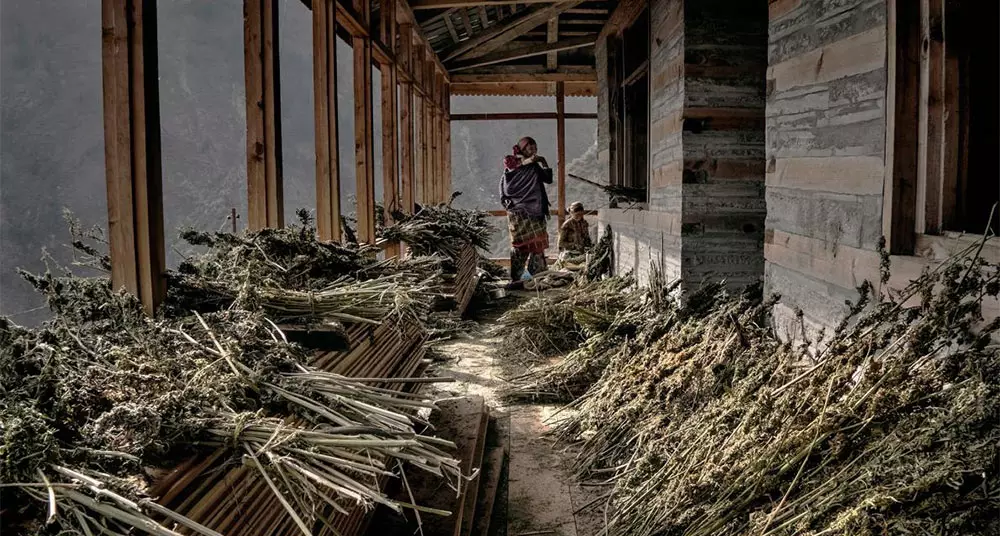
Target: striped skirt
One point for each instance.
(530, 235)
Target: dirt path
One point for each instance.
(542, 495)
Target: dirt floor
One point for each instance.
(542, 496)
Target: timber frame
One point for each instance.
(493, 47)
(389, 38)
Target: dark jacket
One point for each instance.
(522, 190)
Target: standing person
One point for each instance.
(523, 196)
(574, 235)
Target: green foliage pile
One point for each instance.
(93, 399)
(440, 230)
(715, 427)
(559, 320)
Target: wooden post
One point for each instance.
(447, 141)
(390, 174)
(325, 96)
(930, 146)
(899, 193)
(132, 149)
(363, 154)
(263, 101)
(435, 159)
(406, 122)
(561, 149)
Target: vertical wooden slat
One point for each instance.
(447, 141)
(952, 126)
(132, 149)
(561, 149)
(253, 70)
(263, 103)
(551, 36)
(404, 55)
(325, 97)
(390, 118)
(406, 147)
(363, 155)
(931, 121)
(272, 116)
(899, 196)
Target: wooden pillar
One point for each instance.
(390, 169)
(406, 142)
(363, 154)
(435, 153)
(930, 147)
(561, 149)
(263, 101)
(325, 96)
(447, 141)
(132, 149)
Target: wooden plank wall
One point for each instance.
(706, 200)
(722, 139)
(826, 119)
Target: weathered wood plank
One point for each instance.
(522, 51)
(505, 32)
(899, 194)
(254, 74)
(931, 118)
(561, 148)
(325, 100)
(132, 149)
(860, 175)
(406, 148)
(856, 54)
(272, 115)
(363, 156)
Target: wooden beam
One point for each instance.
(404, 14)
(561, 149)
(352, 20)
(623, 16)
(450, 25)
(519, 116)
(447, 142)
(466, 22)
(132, 149)
(900, 196)
(444, 4)
(484, 18)
(527, 73)
(407, 170)
(523, 51)
(387, 25)
(551, 37)
(263, 101)
(506, 31)
(952, 129)
(930, 147)
(363, 155)
(573, 89)
(390, 174)
(325, 100)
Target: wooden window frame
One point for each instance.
(924, 166)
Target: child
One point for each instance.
(574, 235)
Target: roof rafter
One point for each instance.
(443, 4)
(506, 31)
(523, 51)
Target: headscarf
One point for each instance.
(513, 160)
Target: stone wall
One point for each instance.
(826, 118)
